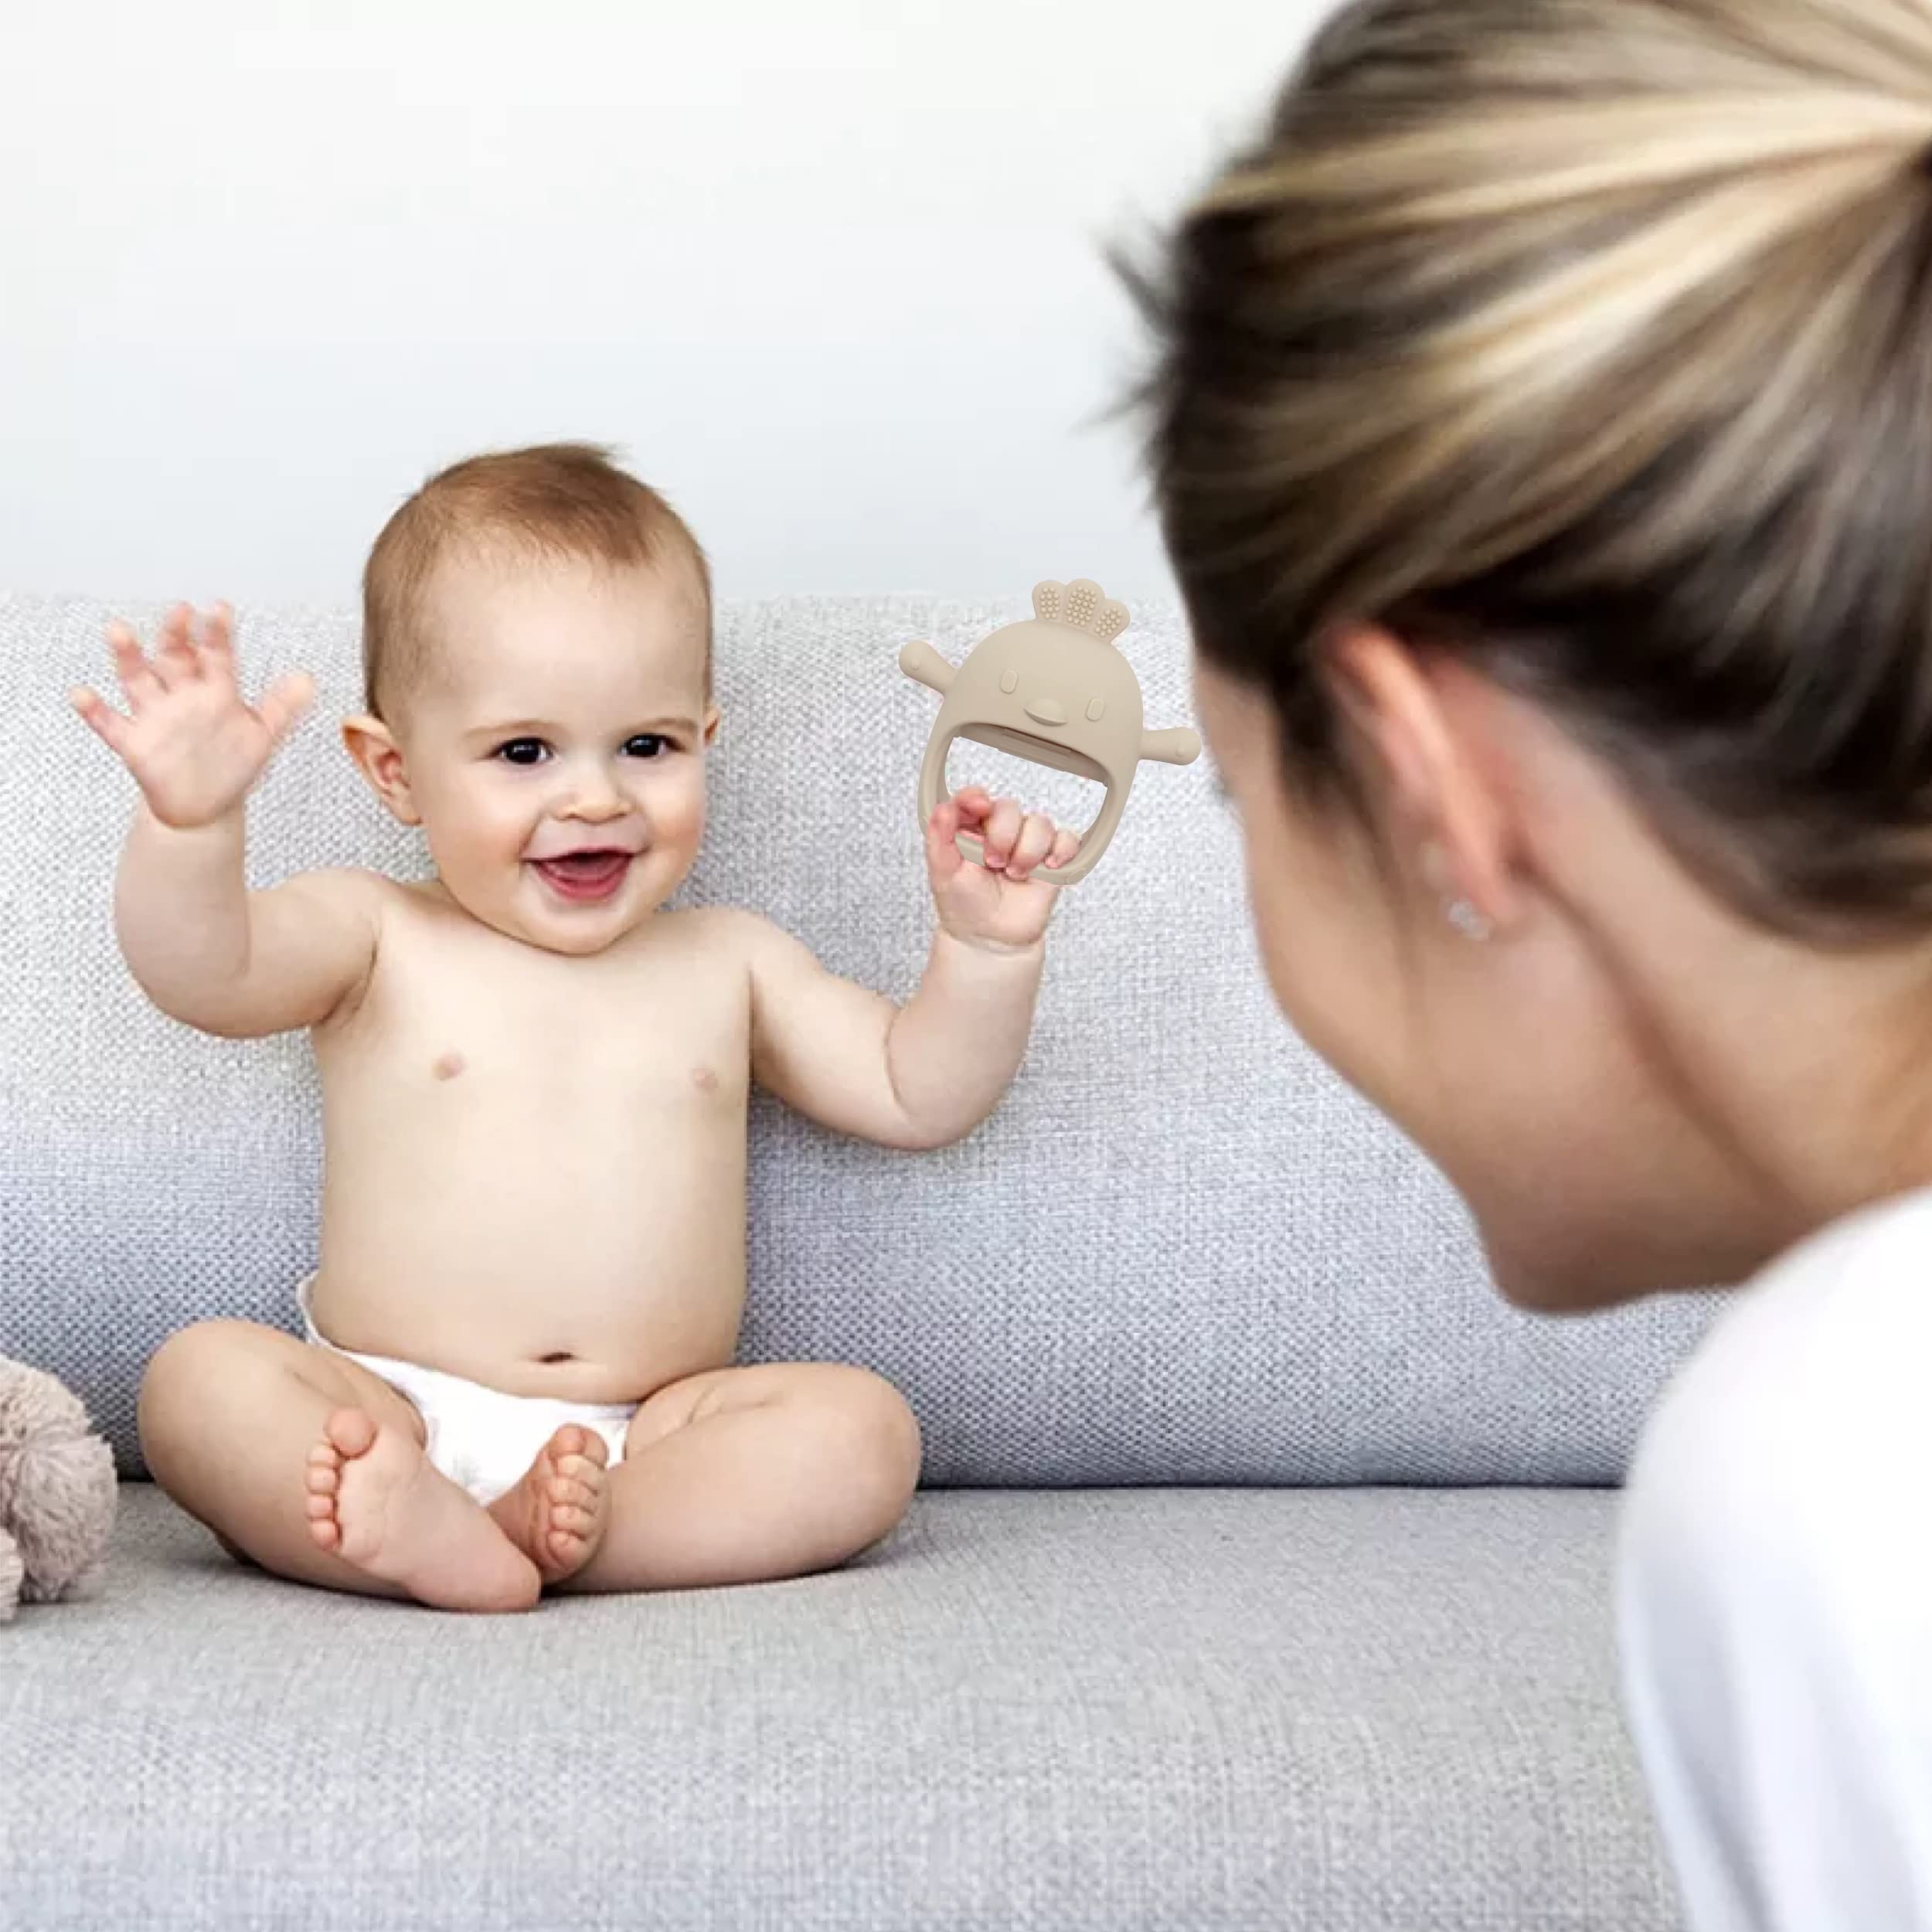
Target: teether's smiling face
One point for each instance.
(1053, 685)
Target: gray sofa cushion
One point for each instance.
(1180, 1252)
(1353, 1711)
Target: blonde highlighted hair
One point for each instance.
(1591, 340)
(555, 499)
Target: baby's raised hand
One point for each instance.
(194, 745)
(1008, 900)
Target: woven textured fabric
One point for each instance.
(1353, 1711)
(1181, 1251)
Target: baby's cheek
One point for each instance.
(680, 811)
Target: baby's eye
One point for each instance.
(646, 744)
(522, 751)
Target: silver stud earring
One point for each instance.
(1467, 920)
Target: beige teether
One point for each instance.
(1056, 690)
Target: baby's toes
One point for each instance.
(323, 1528)
(569, 1524)
(577, 1459)
(560, 1497)
(580, 1482)
(573, 1534)
(577, 1500)
(576, 1473)
(572, 1445)
(322, 1477)
(349, 1432)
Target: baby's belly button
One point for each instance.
(620, 1366)
(576, 1377)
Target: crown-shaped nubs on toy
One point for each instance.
(1054, 689)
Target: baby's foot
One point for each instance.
(374, 1500)
(556, 1514)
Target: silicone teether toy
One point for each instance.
(1055, 690)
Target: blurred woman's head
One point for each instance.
(1542, 433)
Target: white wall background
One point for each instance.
(828, 270)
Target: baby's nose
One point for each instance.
(596, 801)
(600, 806)
(1046, 711)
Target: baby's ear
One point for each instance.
(380, 759)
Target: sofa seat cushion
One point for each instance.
(1175, 1708)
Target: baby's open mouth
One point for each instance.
(585, 875)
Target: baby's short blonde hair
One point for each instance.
(554, 500)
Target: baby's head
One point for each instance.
(537, 666)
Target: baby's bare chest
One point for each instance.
(495, 1032)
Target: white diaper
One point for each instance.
(480, 1438)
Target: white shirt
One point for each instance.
(1775, 1593)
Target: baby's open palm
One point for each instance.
(194, 745)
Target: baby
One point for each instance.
(517, 1374)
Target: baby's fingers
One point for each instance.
(975, 805)
(175, 662)
(284, 702)
(1034, 842)
(943, 857)
(1064, 845)
(1002, 830)
(139, 684)
(218, 644)
(114, 731)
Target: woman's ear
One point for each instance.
(1426, 722)
(380, 759)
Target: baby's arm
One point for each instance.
(928, 1073)
(919, 1076)
(203, 947)
(208, 951)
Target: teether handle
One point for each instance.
(1071, 873)
(932, 788)
(1179, 747)
(923, 662)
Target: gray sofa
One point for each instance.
(1262, 1577)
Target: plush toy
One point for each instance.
(1054, 689)
(57, 1491)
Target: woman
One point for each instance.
(1542, 432)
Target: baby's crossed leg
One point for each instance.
(314, 1467)
(751, 1475)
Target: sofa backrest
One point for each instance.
(1180, 1252)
